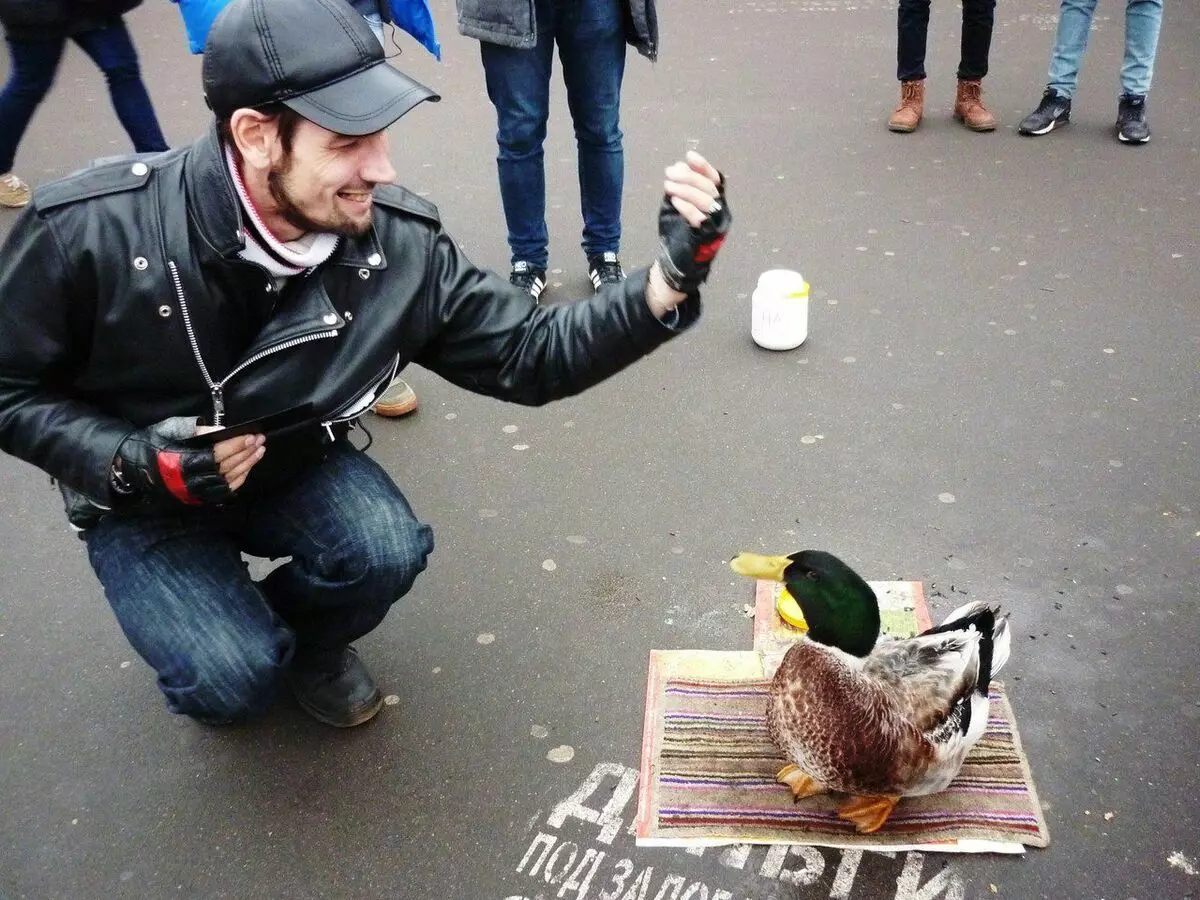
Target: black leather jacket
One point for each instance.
(123, 303)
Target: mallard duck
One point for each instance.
(875, 719)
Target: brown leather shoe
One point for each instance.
(398, 399)
(969, 108)
(912, 107)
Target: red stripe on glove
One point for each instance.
(706, 252)
(170, 467)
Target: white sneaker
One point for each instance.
(14, 193)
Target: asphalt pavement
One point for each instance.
(999, 393)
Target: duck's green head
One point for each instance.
(839, 608)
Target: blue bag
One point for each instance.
(198, 16)
(414, 17)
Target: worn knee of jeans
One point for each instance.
(225, 682)
(381, 559)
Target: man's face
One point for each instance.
(325, 182)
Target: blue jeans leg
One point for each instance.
(518, 83)
(218, 640)
(33, 64)
(186, 601)
(355, 549)
(1143, 19)
(1070, 42)
(112, 50)
(591, 48)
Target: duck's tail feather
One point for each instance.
(995, 641)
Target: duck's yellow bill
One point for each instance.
(789, 610)
(755, 565)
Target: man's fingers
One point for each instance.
(238, 472)
(703, 166)
(234, 445)
(231, 462)
(702, 198)
(694, 217)
(684, 175)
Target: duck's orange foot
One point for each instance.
(868, 813)
(802, 785)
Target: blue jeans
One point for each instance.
(1143, 18)
(591, 47)
(220, 640)
(34, 63)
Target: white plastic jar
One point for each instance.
(779, 310)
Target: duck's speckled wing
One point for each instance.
(928, 676)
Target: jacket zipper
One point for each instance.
(216, 388)
(339, 416)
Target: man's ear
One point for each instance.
(256, 137)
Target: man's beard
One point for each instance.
(294, 216)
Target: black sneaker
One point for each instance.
(528, 278)
(343, 697)
(1131, 119)
(605, 268)
(1053, 111)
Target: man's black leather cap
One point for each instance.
(318, 57)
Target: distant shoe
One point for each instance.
(14, 193)
(1053, 112)
(528, 278)
(343, 697)
(969, 108)
(1131, 119)
(907, 116)
(397, 399)
(605, 268)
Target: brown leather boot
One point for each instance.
(969, 108)
(912, 106)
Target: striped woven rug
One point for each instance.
(713, 769)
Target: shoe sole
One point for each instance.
(976, 128)
(396, 410)
(1125, 140)
(902, 129)
(1049, 128)
(357, 718)
(402, 404)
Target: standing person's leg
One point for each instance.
(33, 63)
(1070, 42)
(591, 48)
(977, 21)
(111, 48)
(912, 24)
(1143, 20)
(355, 549)
(185, 600)
(912, 27)
(518, 84)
